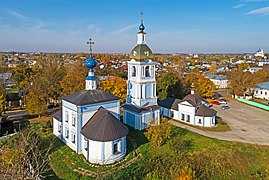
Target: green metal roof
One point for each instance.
(141, 52)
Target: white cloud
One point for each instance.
(17, 15)
(264, 10)
(238, 6)
(94, 28)
(124, 29)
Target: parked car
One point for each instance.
(223, 101)
(225, 107)
(215, 102)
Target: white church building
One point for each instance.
(89, 122)
(141, 108)
(192, 109)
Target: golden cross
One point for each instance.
(90, 42)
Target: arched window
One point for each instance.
(133, 70)
(147, 74)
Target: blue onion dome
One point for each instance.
(90, 63)
(141, 27)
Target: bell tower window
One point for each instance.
(147, 74)
(133, 70)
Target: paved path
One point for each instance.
(248, 124)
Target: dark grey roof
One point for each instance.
(103, 126)
(142, 52)
(194, 99)
(139, 110)
(85, 97)
(205, 111)
(170, 103)
(58, 115)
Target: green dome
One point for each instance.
(141, 52)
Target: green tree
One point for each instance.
(21, 73)
(169, 85)
(243, 66)
(158, 135)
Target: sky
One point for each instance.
(172, 26)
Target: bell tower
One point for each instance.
(141, 85)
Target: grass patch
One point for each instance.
(36, 119)
(209, 158)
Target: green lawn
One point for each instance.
(206, 157)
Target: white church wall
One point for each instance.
(56, 125)
(175, 114)
(69, 127)
(103, 152)
(95, 151)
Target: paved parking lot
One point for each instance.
(248, 124)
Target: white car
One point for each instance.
(223, 101)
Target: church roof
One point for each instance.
(171, 103)
(103, 126)
(141, 52)
(58, 115)
(205, 111)
(139, 110)
(193, 99)
(85, 97)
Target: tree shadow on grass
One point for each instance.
(138, 136)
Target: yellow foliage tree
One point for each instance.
(186, 174)
(157, 135)
(73, 81)
(116, 86)
(202, 85)
(2, 101)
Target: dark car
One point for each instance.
(225, 107)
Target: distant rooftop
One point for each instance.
(216, 77)
(264, 85)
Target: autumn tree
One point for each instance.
(169, 85)
(53, 71)
(202, 85)
(44, 86)
(35, 104)
(24, 157)
(158, 135)
(74, 80)
(116, 86)
(2, 101)
(243, 82)
(212, 68)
